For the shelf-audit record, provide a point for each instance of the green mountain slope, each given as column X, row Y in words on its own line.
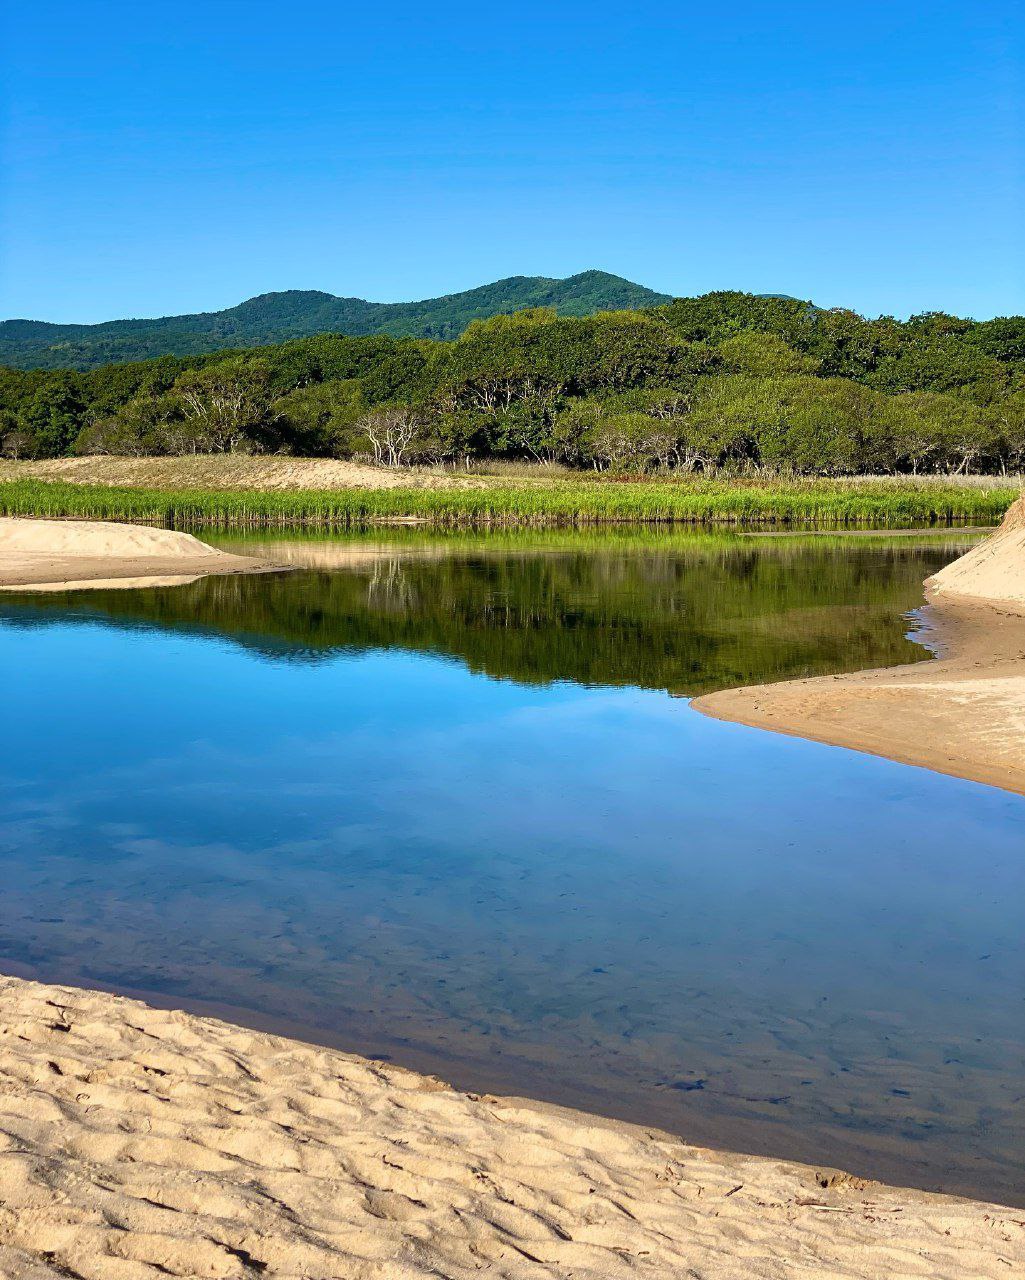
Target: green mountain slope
column 297, row 313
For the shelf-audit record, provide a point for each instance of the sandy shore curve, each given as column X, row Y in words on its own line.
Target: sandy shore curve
column 65, row 555
column 137, row 1142
column 962, row 715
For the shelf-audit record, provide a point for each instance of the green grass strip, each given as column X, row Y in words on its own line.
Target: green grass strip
column 502, row 504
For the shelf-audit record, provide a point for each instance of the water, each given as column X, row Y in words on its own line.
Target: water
column 445, row 801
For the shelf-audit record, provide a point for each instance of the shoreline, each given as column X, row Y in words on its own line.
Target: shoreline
column 74, row 555
column 870, row 1154
column 962, row 715
column 135, row 1140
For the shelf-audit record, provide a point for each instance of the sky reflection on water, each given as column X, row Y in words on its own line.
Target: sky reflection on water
column 591, row 894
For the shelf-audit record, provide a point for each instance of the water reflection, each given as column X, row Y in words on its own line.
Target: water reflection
column 282, row 798
column 686, row 613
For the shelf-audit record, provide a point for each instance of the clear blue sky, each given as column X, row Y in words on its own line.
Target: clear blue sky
column 161, row 157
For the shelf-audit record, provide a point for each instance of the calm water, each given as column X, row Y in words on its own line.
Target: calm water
column 446, row 801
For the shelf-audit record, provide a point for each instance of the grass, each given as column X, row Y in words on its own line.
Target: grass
column 575, row 502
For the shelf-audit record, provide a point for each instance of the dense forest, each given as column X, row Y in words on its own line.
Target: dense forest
column 723, row 382
column 303, row 313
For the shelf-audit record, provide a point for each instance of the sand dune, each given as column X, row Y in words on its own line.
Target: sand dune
column 137, row 1143
column 70, row 554
column 233, row 471
column 963, row 715
column 992, row 572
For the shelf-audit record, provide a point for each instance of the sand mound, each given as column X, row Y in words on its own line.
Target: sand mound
column 73, row 554
column 994, row 570
column 137, row 1143
column 233, row 471
column 96, row 538
column 1015, row 517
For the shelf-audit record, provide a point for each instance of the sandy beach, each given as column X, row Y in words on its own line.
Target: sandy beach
column 65, row 555
column 137, row 1142
column 962, row 715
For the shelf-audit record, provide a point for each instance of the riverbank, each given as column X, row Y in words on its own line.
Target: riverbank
column 136, row 1141
column 65, row 555
column 962, row 715
column 283, row 493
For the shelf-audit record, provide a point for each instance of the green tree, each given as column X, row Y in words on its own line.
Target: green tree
column 1007, row 422
column 794, row 423
column 54, row 416
column 930, row 430
column 766, row 355
column 939, row 363
column 225, row 407
column 629, row 440
column 320, row 419
column 714, row 317
column 525, row 319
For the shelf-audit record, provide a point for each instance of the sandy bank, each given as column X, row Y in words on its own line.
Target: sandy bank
column 136, row 1142
column 232, row 471
column 61, row 555
column 991, row 573
column 962, row 715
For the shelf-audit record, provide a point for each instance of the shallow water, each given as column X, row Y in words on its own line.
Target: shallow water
column 431, row 801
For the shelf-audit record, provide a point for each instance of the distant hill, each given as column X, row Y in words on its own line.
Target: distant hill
column 300, row 313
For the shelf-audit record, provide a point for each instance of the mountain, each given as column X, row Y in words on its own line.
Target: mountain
column 300, row 313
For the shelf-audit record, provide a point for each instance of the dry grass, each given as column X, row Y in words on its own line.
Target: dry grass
column 273, row 472
column 233, row 471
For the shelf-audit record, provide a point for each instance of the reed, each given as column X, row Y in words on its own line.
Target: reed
column 883, row 504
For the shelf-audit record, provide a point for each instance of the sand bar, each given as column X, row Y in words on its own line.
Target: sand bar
column 137, row 1142
column 64, row 555
column 962, row 715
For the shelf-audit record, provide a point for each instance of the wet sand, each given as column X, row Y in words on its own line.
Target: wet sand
column 65, row 555
column 962, row 715
column 137, row 1142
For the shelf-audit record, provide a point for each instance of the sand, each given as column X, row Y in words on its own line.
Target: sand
column 991, row 573
column 137, row 1142
column 234, row 471
column 962, row 715
column 64, row 555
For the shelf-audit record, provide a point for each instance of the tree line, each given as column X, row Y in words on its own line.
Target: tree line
column 724, row 381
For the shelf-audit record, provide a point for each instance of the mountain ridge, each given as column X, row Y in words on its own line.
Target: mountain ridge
column 301, row 313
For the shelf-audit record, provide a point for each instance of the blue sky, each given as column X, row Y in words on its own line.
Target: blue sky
column 163, row 158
